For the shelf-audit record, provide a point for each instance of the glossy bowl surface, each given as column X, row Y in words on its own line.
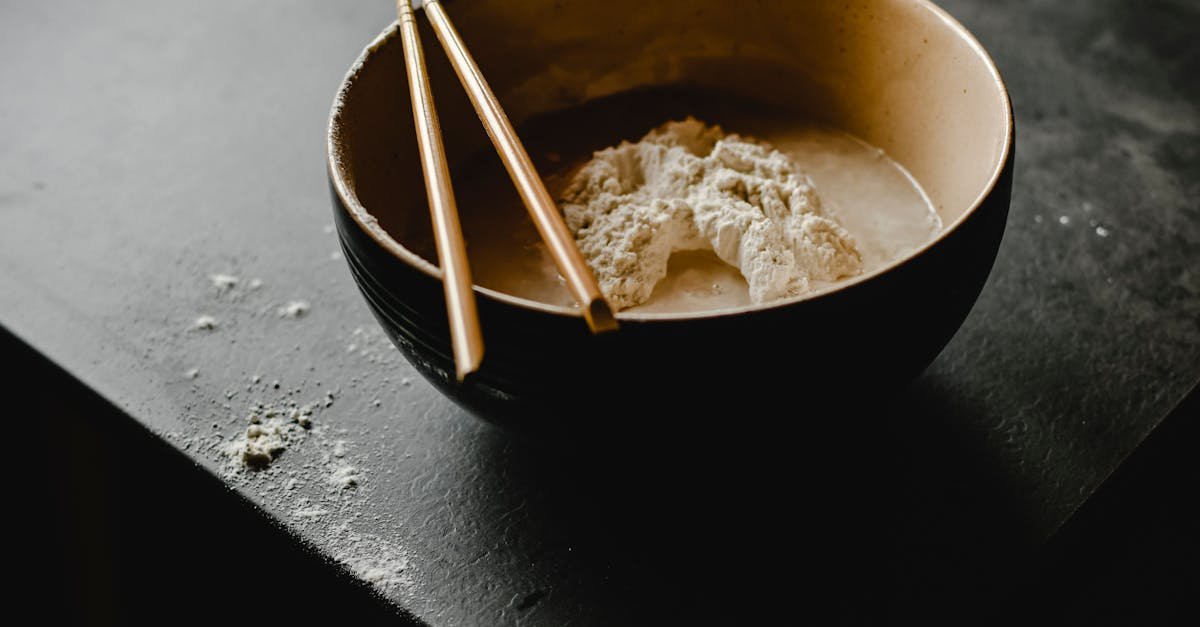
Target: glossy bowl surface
column 901, row 74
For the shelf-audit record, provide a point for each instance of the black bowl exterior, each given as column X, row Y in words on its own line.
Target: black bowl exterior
column 544, row 373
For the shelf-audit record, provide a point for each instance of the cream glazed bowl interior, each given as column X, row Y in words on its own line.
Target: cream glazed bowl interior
column 900, row 74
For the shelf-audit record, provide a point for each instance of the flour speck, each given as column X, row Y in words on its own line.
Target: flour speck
column 343, row 477
column 309, row 512
column 380, row 562
column 272, row 429
column 294, row 309
column 204, row 323
column 223, row 281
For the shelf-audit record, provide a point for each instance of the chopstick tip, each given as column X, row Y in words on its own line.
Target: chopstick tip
column 599, row 316
column 467, row 359
column 464, row 367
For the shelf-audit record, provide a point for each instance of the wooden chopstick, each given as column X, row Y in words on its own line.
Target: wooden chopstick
column 542, row 209
column 465, row 336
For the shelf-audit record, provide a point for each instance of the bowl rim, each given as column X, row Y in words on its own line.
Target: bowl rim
column 371, row 227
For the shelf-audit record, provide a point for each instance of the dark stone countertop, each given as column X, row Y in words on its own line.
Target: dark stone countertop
column 145, row 146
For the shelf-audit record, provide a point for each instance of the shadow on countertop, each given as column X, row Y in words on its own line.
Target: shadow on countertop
column 861, row 529
column 852, row 523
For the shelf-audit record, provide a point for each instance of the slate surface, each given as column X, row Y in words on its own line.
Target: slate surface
column 146, row 145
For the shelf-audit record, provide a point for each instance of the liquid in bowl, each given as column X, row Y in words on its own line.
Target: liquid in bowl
column 873, row 196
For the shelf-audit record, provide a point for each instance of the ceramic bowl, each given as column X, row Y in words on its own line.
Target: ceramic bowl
column 901, row 74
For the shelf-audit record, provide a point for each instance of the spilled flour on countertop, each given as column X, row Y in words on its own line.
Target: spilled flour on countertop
column 294, row 309
column 271, row 430
column 689, row 186
column 204, row 323
column 343, row 477
column 383, row 564
column 223, row 281
column 289, row 433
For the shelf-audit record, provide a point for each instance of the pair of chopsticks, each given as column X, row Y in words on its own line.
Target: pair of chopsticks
column 465, row 335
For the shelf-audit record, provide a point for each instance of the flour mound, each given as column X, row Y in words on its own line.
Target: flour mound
column 689, row 186
column 272, row 429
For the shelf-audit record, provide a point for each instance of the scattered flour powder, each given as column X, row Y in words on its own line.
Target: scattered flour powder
column 271, row 430
column 294, row 309
column 343, row 477
column 223, row 281
column 376, row 560
column 204, row 323
column 689, row 186
column 292, row 455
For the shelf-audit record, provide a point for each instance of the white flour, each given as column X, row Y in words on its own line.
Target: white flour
column 292, row 446
column 294, row 309
column 271, row 430
column 378, row 561
column 223, row 281
column 343, row 477
column 689, row 186
column 204, row 323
